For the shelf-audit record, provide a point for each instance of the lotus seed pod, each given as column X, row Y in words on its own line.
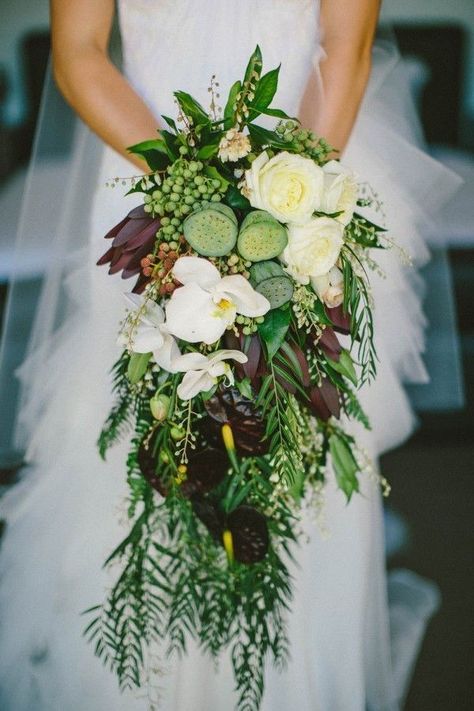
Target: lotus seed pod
column 211, row 230
column 269, row 279
column 261, row 237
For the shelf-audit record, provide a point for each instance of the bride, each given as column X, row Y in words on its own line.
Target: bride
column 66, row 515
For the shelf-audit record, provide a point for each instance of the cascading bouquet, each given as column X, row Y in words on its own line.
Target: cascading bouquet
column 251, row 254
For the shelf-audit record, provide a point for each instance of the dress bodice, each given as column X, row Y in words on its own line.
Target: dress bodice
column 179, row 44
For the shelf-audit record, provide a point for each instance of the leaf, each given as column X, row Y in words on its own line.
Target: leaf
column 345, row 465
column 210, row 149
column 244, row 388
column 170, row 143
column 345, row 366
column 192, row 108
column 229, row 107
column 273, row 329
column 264, row 137
column 254, row 65
column 214, row 174
column 154, row 152
column 137, row 366
column 266, row 90
column 235, row 199
column 171, row 123
column 278, row 113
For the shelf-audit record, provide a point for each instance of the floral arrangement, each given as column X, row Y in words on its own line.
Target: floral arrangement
column 251, row 255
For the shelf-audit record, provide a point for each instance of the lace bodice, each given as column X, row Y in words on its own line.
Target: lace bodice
column 180, row 44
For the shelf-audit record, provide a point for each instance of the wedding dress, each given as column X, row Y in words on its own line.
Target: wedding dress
column 68, row 511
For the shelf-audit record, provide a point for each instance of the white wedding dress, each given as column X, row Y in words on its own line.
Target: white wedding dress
column 68, row 511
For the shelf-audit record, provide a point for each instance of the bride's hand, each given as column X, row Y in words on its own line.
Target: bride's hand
column 331, row 101
column 89, row 81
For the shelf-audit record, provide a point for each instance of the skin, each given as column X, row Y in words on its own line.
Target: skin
column 105, row 100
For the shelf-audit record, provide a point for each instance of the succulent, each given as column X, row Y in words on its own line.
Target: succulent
column 261, row 237
column 269, row 279
column 212, row 230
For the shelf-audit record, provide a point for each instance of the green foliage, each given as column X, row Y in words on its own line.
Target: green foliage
column 344, row 463
column 274, row 328
column 121, row 416
column 358, row 304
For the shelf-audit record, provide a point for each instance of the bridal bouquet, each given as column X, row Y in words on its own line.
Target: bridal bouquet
column 250, row 252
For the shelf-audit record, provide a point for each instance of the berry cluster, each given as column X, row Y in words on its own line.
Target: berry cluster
column 182, row 189
column 303, row 141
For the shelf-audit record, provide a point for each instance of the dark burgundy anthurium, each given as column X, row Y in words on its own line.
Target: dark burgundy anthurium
column 227, row 405
column 132, row 239
column 248, row 527
column 205, row 470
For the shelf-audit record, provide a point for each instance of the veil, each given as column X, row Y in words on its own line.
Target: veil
column 50, row 245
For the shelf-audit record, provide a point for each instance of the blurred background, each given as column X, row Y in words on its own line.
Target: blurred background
column 430, row 511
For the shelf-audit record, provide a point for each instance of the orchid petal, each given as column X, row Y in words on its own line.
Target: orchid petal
column 248, row 302
column 151, row 313
column 227, row 354
column 196, row 270
column 190, row 361
column 194, row 382
column 146, row 339
column 191, row 315
column 167, row 354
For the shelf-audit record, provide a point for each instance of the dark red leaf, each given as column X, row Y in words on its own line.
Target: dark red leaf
column 340, row 319
column 329, row 344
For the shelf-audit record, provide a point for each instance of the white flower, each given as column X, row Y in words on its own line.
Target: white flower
column 207, row 303
column 288, row 186
column 233, row 145
column 202, row 372
column 313, row 248
column 151, row 333
column 330, row 287
column 340, row 191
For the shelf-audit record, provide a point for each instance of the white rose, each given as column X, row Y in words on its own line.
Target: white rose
column 340, row 191
column 288, row 186
column 330, row 287
column 313, row 248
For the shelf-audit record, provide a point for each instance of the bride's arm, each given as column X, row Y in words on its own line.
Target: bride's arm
column 348, row 28
column 89, row 81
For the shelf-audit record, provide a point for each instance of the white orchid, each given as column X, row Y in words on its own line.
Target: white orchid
column 149, row 332
column 207, row 303
column 202, row 372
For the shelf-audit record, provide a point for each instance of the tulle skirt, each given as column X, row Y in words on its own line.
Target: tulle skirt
column 68, row 511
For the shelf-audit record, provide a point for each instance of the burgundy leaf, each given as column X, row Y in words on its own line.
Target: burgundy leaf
column 130, row 230
column 116, row 229
column 329, row 344
column 137, row 213
column 340, row 319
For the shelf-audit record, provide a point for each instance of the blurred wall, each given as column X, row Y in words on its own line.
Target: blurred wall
column 17, row 18
column 440, row 11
